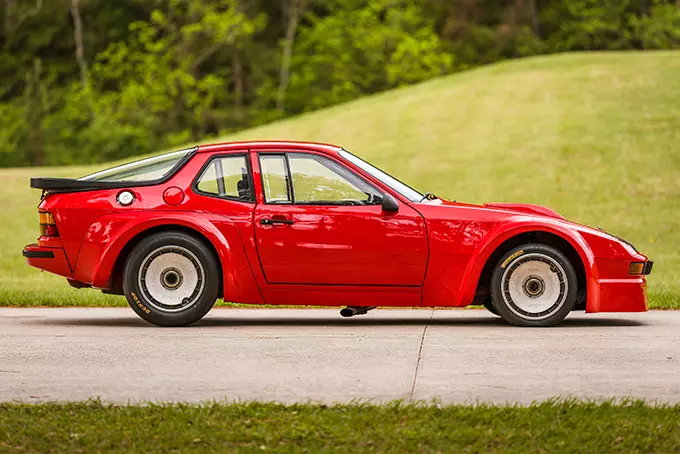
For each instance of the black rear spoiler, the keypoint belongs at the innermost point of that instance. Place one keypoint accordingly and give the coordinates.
(55, 185)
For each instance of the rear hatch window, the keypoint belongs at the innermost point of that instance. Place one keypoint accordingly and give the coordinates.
(146, 170)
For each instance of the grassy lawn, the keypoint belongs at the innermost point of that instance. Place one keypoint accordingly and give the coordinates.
(547, 427)
(589, 135)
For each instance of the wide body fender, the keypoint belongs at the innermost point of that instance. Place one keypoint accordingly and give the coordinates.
(463, 292)
(108, 236)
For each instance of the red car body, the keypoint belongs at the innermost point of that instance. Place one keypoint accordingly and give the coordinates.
(433, 253)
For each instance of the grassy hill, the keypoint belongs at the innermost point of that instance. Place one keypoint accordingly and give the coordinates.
(594, 136)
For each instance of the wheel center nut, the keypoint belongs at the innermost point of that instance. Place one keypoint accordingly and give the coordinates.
(171, 278)
(534, 286)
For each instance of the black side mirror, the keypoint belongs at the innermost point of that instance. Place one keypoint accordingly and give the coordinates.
(390, 204)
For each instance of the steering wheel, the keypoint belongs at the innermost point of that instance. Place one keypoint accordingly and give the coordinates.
(352, 202)
(373, 199)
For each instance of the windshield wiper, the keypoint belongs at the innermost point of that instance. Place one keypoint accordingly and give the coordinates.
(428, 196)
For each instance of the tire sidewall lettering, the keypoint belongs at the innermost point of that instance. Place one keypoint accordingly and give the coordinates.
(512, 257)
(196, 309)
(139, 303)
(497, 285)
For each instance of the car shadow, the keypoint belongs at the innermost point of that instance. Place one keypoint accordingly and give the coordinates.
(361, 321)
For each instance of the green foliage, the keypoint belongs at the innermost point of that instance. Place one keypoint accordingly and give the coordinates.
(589, 25)
(159, 73)
(359, 50)
(658, 30)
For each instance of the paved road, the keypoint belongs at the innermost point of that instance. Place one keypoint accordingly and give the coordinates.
(315, 355)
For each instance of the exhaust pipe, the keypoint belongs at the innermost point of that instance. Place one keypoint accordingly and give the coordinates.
(351, 311)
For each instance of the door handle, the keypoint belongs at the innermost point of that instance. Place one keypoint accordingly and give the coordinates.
(267, 221)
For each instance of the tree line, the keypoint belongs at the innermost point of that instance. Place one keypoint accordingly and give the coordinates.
(96, 80)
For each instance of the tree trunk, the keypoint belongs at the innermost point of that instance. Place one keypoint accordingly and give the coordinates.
(7, 22)
(35, 110)
(294, 10)
(535, 22)
(237, 68)
(78, 38)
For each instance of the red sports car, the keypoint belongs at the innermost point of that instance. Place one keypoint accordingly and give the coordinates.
(312, 224)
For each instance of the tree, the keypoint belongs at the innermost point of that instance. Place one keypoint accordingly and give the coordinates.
(660, 29)
(92, 80)
(293, 9)
(358, 48)
(78, 39)
(589, 25)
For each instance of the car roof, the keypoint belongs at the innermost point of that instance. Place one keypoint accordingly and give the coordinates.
(269, 145)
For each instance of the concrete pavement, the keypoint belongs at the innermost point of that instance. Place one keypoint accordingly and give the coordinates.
(292, 355)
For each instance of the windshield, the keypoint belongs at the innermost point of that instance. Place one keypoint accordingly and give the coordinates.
(146, 170)
(398, 186)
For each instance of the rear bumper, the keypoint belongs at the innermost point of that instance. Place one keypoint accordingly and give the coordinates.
(620, 295)
(50, 259)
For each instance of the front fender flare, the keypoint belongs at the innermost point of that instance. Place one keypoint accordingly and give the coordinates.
(511, 229)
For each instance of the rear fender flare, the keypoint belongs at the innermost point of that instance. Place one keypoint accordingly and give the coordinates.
(220, 231)
(508, 230)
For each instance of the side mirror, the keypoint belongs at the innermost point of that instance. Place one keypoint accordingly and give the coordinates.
(390, 204)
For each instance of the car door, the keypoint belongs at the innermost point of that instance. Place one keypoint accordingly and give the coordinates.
(323, 224)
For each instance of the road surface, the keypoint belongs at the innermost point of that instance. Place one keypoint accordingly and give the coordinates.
(315, 355)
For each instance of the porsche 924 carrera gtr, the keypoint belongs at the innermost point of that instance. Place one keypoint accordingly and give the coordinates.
(294, 223)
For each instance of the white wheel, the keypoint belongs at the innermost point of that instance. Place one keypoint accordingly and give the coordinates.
(171, 278)
(533, 285)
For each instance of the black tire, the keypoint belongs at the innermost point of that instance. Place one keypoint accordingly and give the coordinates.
(488, 304)
(171, 279)
(531, 278)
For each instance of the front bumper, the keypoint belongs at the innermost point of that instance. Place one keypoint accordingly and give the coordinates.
(49, 259)
(620, 295)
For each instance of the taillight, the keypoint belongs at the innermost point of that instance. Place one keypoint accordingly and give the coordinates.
(47, 225)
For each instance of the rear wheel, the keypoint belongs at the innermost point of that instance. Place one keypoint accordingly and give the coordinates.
(171, 279)
(533, 285)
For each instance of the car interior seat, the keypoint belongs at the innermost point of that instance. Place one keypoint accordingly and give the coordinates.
(243, 186)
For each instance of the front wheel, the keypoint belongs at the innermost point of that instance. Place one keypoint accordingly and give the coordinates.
(534, 285)
(171, 279)
(488, 304)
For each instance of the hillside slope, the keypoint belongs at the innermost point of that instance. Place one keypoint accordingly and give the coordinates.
(594, 136)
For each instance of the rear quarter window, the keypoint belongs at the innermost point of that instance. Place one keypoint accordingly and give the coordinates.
(227, 177)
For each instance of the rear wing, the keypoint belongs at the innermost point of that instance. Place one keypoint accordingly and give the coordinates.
(56, 185)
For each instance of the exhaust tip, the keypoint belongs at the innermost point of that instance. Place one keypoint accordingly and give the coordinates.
(347, 312)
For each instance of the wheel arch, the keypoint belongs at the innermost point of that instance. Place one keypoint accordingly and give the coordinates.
(218, 232)
(116, 275)
(571, 244)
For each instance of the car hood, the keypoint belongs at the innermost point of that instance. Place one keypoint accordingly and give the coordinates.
(526, 208)
(523, 208)
(537, 212)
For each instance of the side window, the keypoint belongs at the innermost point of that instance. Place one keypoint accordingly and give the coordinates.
(308, 179)
(228, 177)
(321, 181)
(275, 181)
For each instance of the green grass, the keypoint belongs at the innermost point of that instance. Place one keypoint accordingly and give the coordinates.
(564, 427)
(594, 136)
